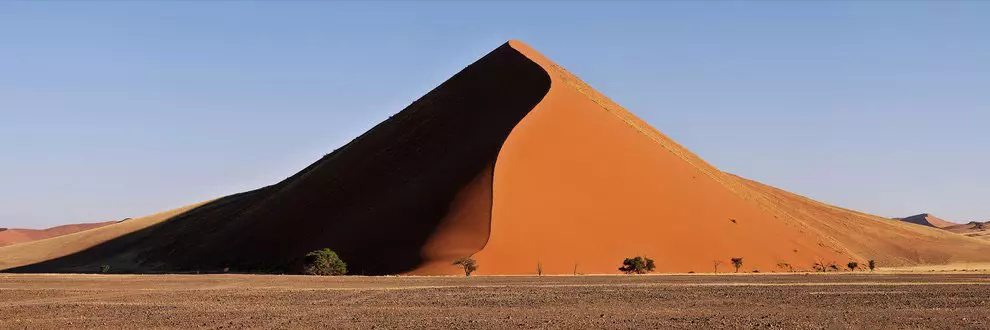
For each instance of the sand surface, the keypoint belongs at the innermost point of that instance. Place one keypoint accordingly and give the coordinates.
(11, 236)
(864, 301)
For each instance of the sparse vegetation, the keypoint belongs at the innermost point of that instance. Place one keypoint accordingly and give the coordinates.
(852, 265)
(324, 262)
(823, 267)
(469, 265)
(716, 263)
(105, 269)
(539, 268)
(872, 264)
(785, 265)
(737, 262)
(637, 265)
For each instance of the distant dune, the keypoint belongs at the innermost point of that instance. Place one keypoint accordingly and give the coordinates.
(926, 219)
(10, 236)
(522, 165)
(974, 229)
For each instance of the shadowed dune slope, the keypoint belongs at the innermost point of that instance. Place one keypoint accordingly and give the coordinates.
(414, 191)
(926, 219)
(518, 163)
(10, 236)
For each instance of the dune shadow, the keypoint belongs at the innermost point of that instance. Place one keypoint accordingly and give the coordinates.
(375, 201)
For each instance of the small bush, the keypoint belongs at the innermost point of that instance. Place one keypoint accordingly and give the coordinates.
(637, 265)
(470, 265)
(872, 264)
(852, 265)
(105, 269)
(737, 262)
(324, 262)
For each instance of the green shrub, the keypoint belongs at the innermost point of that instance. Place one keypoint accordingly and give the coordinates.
(637, 265)
(737, 262)
(105, 269)
(324, 262)
(872, 264)
(852, 265)
(469, 265)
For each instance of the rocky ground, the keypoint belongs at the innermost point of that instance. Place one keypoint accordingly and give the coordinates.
(793, 301)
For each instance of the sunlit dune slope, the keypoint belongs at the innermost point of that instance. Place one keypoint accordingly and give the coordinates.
(71, 244)
(582, 183)
(10, 236)
(523, 166)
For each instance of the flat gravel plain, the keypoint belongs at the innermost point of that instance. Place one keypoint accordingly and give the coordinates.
(792, 301)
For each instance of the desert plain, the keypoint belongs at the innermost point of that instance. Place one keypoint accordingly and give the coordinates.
(927, 300)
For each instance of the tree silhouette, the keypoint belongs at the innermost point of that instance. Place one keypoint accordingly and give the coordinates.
(470, 265)
(737, 262)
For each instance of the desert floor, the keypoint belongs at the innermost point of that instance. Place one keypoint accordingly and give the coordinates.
(792, 301)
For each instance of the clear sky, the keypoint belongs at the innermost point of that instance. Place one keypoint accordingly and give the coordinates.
(121, 109)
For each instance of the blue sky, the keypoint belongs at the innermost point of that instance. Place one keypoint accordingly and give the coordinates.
(121, 109)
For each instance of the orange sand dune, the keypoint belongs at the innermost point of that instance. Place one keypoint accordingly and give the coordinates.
(926, 219)
(10, 236)
(582, 183)
(518, 163)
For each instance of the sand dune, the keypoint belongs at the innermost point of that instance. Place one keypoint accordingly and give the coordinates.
(926, 219)
(71, 244)
(518, 163)
(413, 189)
(973, 229)
(11, 236)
